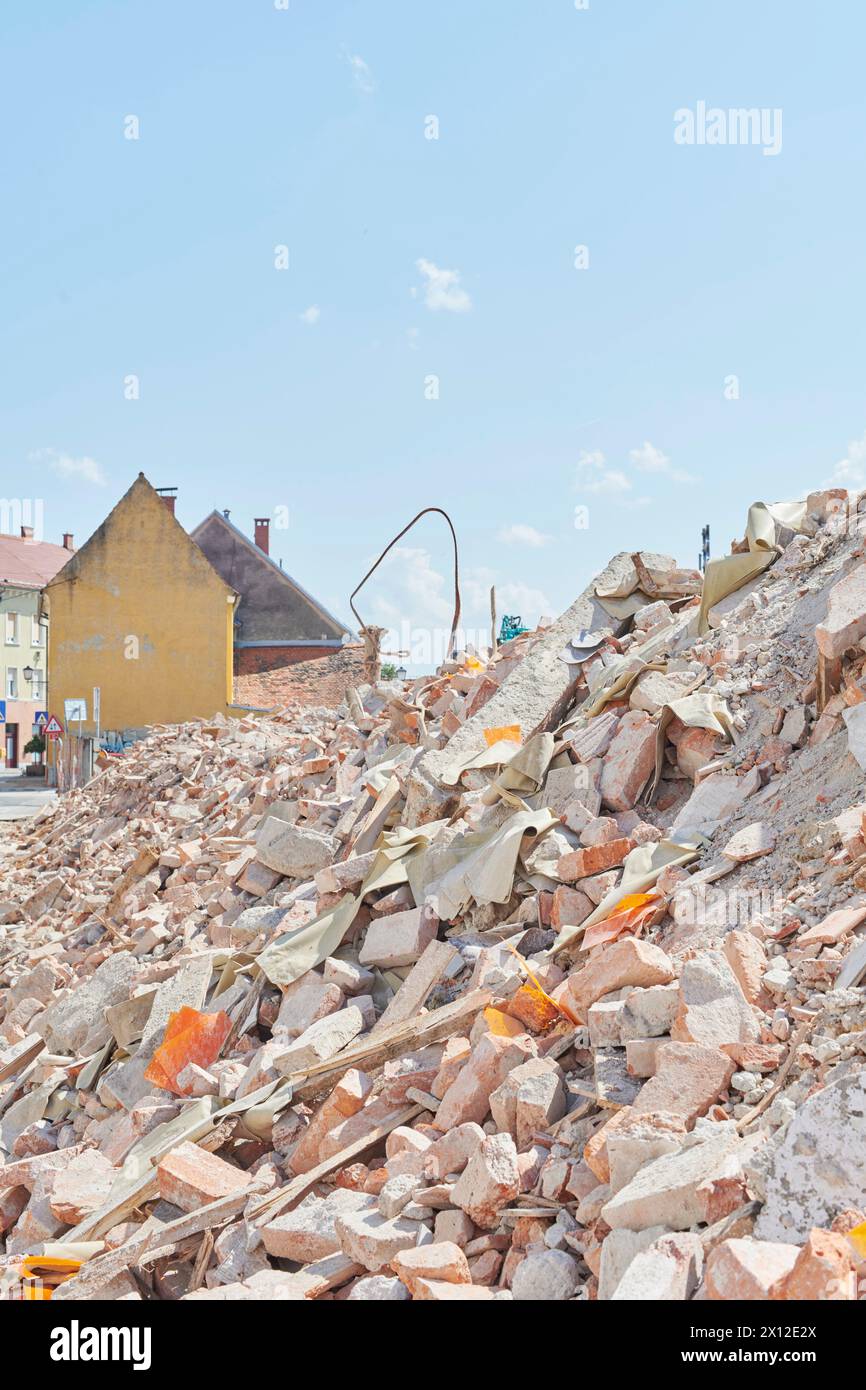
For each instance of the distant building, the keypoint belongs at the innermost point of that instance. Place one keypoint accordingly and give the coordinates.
(277, 623)
(26, 566)
(141, 613)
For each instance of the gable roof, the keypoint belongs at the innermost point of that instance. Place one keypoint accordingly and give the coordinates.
(269, 565)
(72, 569)
(30, 564)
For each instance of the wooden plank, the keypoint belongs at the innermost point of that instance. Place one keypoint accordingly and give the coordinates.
(828, 679)
(19, 1055)
(330, 1272)
(289, 1196)
(162, 1240)
(412, 994)
(145, 1187)
(393, 1041)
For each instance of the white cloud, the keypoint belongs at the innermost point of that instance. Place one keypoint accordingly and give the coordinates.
(442, 288)
(513, 597)
(407, 586)
(850, 471)
(594, 476)
(311, 315)
(85, 468)
(364, 79)
(520, 534)
(649, 459)
(523, 601)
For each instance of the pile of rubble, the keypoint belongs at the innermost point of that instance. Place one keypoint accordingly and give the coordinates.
(539, 978)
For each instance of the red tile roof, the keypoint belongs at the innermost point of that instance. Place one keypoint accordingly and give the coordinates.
(30, 563)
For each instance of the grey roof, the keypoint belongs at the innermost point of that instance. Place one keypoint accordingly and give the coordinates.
(267, 560)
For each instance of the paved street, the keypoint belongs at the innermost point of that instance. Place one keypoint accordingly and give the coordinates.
(22, 796)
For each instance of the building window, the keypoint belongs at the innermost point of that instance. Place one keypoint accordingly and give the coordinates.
(11, 683)
(12, 629)
(37, 633)
(37, 688)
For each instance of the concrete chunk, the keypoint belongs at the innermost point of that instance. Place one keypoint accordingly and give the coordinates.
(372, 1240)
(845, 622)
(399, 938)
(309, 1232)
(549, 1276)
(293, 850)
(667, 1271)
(663, 1192)
(647, 1013)
(624, 962)
(754, 1270)
(323, 1039)
(190, 1177)
(818, 1165)
(304, 1002)
(713, 1009)
(490, 1180)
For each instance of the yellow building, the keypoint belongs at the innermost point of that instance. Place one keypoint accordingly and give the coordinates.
(141, 613)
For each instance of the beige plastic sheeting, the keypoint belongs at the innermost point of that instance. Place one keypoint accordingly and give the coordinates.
(620, 683)
(500, 752)
(292, 954)
(700, 710)
(641, 868)
(378, 776)
(725, 576)
(623, 608)
(523, 768)
(526, 771)
(480, 866)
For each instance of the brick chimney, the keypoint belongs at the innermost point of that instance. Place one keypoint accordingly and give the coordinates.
(263, 527)
(169, 497)
(68, 540)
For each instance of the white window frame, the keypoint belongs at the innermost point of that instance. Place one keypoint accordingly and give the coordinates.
(11, 682)
(13, 637)
(37, 633)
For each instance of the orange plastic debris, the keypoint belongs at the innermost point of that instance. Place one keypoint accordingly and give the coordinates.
(189, 1037)
(49, 1264)
(508, 731)
(630, 914)
(541, 997)
(857, 1237)
(502, 1025)
(535, 1009)
(42, 1274)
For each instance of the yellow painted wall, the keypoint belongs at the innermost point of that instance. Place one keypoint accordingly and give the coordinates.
(140, 612)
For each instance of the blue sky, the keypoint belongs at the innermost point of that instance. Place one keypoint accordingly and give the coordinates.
(411, 258)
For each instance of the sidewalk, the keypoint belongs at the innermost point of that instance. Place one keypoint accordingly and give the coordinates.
(22, 796)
